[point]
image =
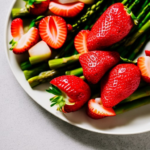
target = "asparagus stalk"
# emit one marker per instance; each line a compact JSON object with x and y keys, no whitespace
{"x":36,"y":70}
{"x":62,"y":62}
{"x":139,"y":46}
{"x":142,"y":30}
{"x":138,"y":94}
{"x":90,"y":11}
{"x":76,"y":72}
{"x":20,"y":13}
{"x":45,"y":77}
{"x":119,"y":109}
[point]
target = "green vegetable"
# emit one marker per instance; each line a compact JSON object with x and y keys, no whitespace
{"x":138,"y":94}
{"x":119,"y":109}
{"x":62,"y":62}
{"x":36,"y":70}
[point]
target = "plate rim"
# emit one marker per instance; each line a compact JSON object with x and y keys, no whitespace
{"x":67,"y":121}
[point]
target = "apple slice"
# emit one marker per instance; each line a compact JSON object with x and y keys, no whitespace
{"x":39,"y":52}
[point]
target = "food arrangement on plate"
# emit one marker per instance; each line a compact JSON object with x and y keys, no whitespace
{"x":87,"y":50}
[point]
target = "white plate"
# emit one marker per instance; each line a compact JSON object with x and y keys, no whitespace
{"x":132,"y":122}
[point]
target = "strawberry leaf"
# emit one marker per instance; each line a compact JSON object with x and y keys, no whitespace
{"x":35,"y":21}
{"x":31,"y":2}
{"x":54,"y":90}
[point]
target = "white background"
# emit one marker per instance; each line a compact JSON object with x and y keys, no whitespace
{"x":26,"y":126}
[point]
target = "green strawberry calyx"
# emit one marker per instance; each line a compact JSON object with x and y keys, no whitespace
{"x":35,"y":22}
{"x":60,"y":99}
{"x":30,"y":3}
{"x":13,"y":44}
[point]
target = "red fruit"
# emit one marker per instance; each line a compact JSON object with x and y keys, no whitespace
{"x":17,"y":29}
{"x":66,"y":10}
{"x":96,"y":63}
{"x":75,"y":88}
{"x":69,"y":27}
{"x":53,"y":30}
{"x":97,"y":111}
{"x":39,"y":9}
{"x":147,"y":52}
{"x":119,"y":84}
{"x":144,"y":65}
{"x":27,"y":41}
{"x":80,"y":41}
{"x":110,"y":28}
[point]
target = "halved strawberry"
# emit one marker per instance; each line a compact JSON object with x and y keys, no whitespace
{"x":17,"y":29}
{"x":144,"y":65}
{"x":97,"y":111}
{"x":147,"y":52}
{"x":66,"y":10}
{"x":80,"y":41}
{"x":53,"y":30}
{"x":26,"y":41}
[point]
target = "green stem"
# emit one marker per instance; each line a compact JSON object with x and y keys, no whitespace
{"x":140,"y":93}
{"x":90,"y":11}
{"x":45,"y":77}
{"x":124,"y":2}
{"x":143,"y":11}
{"x":139,"y":46}
{"x":62,"y":62}
{"x":142,"y":30}
{"x":133,"y":4}
{"x":20,"y":13}
{"x":144,"y":20}
{"x":76,"y":72}
{"x":119,"y":109}
{"x":35,"y":71}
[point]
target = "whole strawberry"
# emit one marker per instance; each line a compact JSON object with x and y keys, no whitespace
{"x":96,"y":63}
{"x":119,"y":84}
{"x":37,"y":7}
{"x":71,"y":93}
{"x":110,"y":28}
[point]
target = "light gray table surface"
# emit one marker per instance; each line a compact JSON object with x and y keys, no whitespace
{"x":24,"y":125}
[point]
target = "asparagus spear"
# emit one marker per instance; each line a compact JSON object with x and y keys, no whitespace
{"x":119,"y":109}
{"x":138,"y":48}
{"x":76,"y":72}
{"x":138,"y":94}
{"x":36,"y":70}
{"x":142,"y":30}
{"x":45,"y":77}
{"x":20,"y":13}
{"x":62,"y":62}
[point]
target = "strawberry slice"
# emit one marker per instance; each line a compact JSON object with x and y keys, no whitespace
{"x":66,"y":10}
{"x":144,"y":65}
{"x":97,"y":111}
{"x":17,"y":29}
{"x":80,"y":41}
{"x":26,"y":41}
{"x":147,"y":52}
{"x":53,"y":30}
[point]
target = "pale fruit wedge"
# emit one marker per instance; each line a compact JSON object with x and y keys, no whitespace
{"x":39,"y":52}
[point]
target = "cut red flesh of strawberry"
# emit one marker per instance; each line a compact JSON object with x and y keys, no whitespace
{"x":27,"y":41}
{"x":17,"y":29}
{"x":80,"y":41}
{"x":66,"y":10}
{"x":147,"y":52}
{"x":53,"y":30}
{"x":97,"y":111}
{"x":144,"y":65}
